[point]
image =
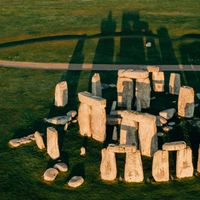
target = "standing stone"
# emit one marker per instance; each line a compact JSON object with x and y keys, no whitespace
{"x":148,"y":135}
{"x":133,"y":171}
{"x":113,"y":107}
{"x":198,"y":161}
{"x":152,"y":69}
{"x":158,"y":81}
{"x":184,"y":165}
{"x":128,"y":132}
{"x":108,"y":167}
{"x":174,"y":83}
{"x":98,"y":123}
{"x":160,"y":166}
{"x":143,"y":92}
{"x":52,"y":143}
{"x":84,"y":120}
{"x":50,"y":174}
{"x":186,"y":102}
{"x":96,"y":85}
{"x":39,"y":140}
{"x":115,"y":135}
{"x":168,"y":113}
{"x":125,"y":92}
{"x":138,"y":105}
{"x":61,"y":94}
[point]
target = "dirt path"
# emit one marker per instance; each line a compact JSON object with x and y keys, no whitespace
{"x":85,"y":66}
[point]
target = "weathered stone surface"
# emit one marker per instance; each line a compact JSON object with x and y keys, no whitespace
{"x":66,"y":126}
{"x":171,"y":123}
{"x":115,"y":135}
{"x":186,"y":102}
{"x":84,"y":120}
{"x":167,"y":128}
{"x":52,"y":143}
{"x":14,"y":142}
{"x":138,"y":105}
{"x":50,"y":174}
{"x":133,"y":171}
{"x":168,"y":113}
{"x":198,"y":161}
{"x":76,"y":181}
{"x":39,"y":140}
{"x":184,"y":165}
{"x":113,"y":120}
{"x":61,"y":94}
{"x":133,"y":74}
{"x":160,"y":121}
{"x":158,"y":81}
{"x":113,"y":107}
{"x":148,"y":135}
{"x":59,"y":120}
{"x":152,"y":69}
{"x":72,"y":113}
{"x":96,"y":85}
{"x":91,"y":100}
{"x":129,"y":132}
{"x":125,"y":92}
{"x":122,"y":148}
{"x":82,"y":151}
{"x":174,"y":146}
{"x":174,"y":83}
{"x":160,"y":166}
{"x":98,"y":123}
{"x":62,"y":167}
{"x":143,"y":92}
{"x":108,"y":167}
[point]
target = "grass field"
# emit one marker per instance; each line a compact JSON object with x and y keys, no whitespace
{"x":27,"y":97}
{"x":171,"y":27}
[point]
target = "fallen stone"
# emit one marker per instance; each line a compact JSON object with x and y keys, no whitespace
{"x":160,"y":166}
{"x":186,"y":102}
{"x":133,"y":171}
{"x":59,"y":120}
{"x":39,"y":140}
{"x":174,"y":83}
{"x":14,"y":142}
{"x":133,"y":74}
{"x":160,"y":134}
{"x":158,"y":81}
{"x":82,"y":151}
{"x":108,"y":167}
{"x":50,"y":174}
{"x":160,"y":121}
{"x":74,"y":121}
{"x":62,"y":167}
{"x":184,"y":165}
{"x":171,"y":123}
{"x":76,"y":181}
{"x":72,"y":113}
{"x":66,"y":126}
{"x":167,"y":128}
{"x":168,"y":113}
{"x":52,"y":143}
{"x":96,"y":85}
{"x":61,"y":94}
{"x":174,"y":146}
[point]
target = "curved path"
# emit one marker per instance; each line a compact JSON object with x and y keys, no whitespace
{"x":87,"y":37}
{"x":87,"y":66}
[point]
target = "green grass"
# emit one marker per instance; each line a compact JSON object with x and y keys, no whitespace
{"x":21,"y":20}
{"x":27,"y":97}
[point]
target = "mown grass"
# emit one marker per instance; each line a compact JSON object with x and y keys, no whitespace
{"x":27,"y":97}
{"x":21,"y":20}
